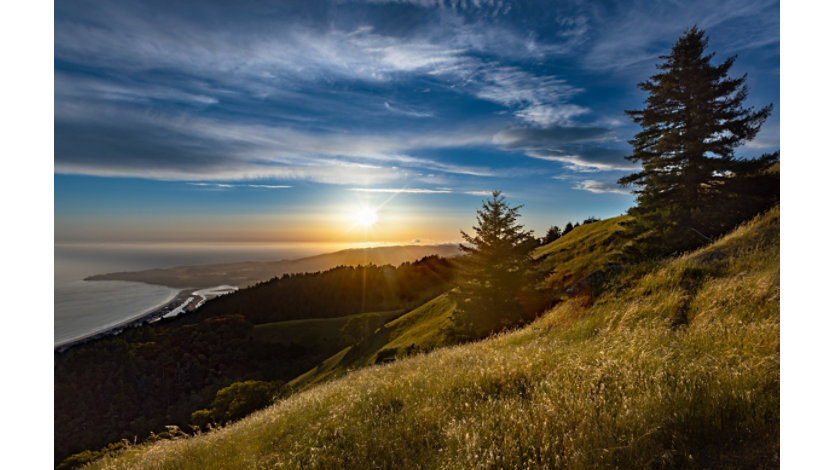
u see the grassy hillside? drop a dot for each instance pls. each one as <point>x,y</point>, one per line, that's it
<point>311,332</point>
<point>675,366</point>
<point>583,250</point>
<point>420,330</point>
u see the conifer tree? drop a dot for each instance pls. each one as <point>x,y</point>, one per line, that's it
<point>691,185</point>
<point>495,269</point>
<point>553,234</point>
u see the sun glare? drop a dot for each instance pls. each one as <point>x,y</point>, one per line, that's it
<point>366,217</point>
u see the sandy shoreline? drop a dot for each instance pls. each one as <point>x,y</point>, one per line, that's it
<point>152,314</point>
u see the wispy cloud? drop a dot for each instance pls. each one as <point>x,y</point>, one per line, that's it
<point>636,36</point>
<point>230,186</point>
<point>407,112</point>
<point>599,187</point>
<point>402,190</point>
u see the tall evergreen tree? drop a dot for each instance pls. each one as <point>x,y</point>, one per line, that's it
<point>495,269</point>
<point>691,185</point>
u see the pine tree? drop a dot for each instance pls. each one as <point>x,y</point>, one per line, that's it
<point>553,234</point>
<point>691,185</point>
<point>495,269</point>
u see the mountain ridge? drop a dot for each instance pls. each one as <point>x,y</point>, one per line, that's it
<point>247,273</point>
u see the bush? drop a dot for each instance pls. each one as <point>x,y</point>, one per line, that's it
<point>242,398</point>
<point>202,418</point>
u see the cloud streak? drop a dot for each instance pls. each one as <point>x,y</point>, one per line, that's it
<point>401,190</point>
<point>599,187</point>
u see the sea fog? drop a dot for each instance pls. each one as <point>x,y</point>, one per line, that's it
<point>83,307</point>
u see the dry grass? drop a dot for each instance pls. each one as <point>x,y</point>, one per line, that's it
<point>678,368</point>
<point>582,251</point>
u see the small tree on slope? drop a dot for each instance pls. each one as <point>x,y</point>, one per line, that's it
<point>691,185</point>
<point>495,270</point>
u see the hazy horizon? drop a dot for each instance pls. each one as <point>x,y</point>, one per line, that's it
<point>75,261</point>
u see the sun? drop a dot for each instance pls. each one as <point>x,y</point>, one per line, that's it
<point>365,217</point>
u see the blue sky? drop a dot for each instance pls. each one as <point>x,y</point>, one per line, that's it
<point>202,121</point>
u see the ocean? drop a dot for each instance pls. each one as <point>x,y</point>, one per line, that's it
<point>83,307</point>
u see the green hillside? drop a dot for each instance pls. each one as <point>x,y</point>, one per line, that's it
<point>585,249</point>
<point>312,332</point>
<point>676,365</point>
<point>420,330</point>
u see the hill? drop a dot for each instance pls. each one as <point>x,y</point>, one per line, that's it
<point>252,272</point>
<point>584,250</point>
<point>315,332</point>
<point>674,365</point>
<point>420,330</point>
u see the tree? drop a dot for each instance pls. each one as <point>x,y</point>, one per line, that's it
<point>242,398</point>
<point>691,185</point>
<point>553,234</point>
<point>568,228</point>
<point>495,270</point>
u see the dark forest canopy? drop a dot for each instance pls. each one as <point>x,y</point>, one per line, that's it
<point>337,292</point>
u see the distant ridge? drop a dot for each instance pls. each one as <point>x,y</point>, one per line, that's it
<point>247,273</point>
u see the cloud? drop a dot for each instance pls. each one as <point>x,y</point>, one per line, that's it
<point>479,193</point>
<point>113,141</point>
<point>635,37</point>
<point>548,115</point>
<point>230,186</point>
<point>402,190</point>
<point>530,137</point>
<point>407,112</point>
<point>581,149</point>
<point>586,158</point>
<point>213,185</point>
<point>268,186</point>
<point>599,187</point>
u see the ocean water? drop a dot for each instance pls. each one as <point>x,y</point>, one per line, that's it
<point>83,307</point>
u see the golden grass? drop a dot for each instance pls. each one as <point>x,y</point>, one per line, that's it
<point>582,251</point>
<point>678,368</point>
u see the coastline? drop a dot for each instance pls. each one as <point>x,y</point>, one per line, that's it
<point>149,315</point>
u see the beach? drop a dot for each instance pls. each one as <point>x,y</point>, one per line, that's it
<point>182,302</point>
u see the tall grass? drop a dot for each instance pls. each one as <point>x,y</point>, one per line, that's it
<point>676,367</point>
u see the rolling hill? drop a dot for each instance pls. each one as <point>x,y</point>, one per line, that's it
<point>252,272</point>
<point>420,330</point>
<point>583,250</point>
<point>674,365</point>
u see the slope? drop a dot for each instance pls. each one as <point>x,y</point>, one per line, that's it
<point>312,332</point>
<point>585,249</point>
<point>420,330</point>
<point>675,366</point>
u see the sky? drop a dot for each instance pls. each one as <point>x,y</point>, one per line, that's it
<point>278,122</point>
